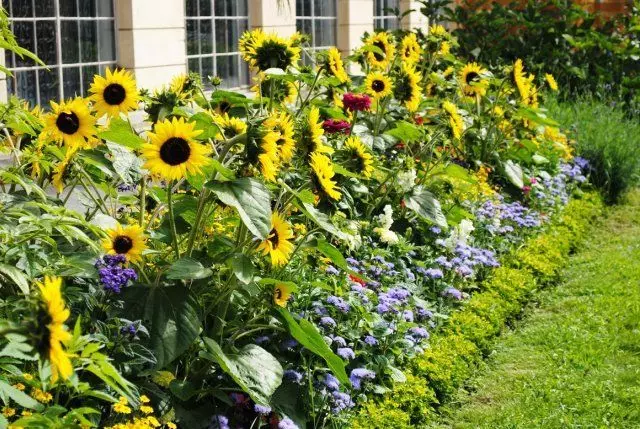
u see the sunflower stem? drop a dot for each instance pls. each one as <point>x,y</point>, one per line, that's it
<point>172,220</point>
<point>313,85</point>
<point>204,193</point>
<point>143,200</point>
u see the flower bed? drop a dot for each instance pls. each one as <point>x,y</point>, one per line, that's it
<point>282,260</point>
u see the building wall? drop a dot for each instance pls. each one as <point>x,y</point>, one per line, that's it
<point>606,7</point>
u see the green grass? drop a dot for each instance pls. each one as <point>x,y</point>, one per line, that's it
<point>573,361</point>
<point>607,138</point>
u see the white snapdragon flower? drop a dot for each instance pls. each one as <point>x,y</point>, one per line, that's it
<point>407,180</point>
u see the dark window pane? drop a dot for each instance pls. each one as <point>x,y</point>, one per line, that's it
<point>192,37</point>
<point>107,41</point>
<point>26,86</point>
<point>304,26</point>
<point>8,59</point>
<point>225,35</point>
<point>21,8</point>
<point>325,32</point>
<point>205,7</point>
<point>87,7</point>
<point>194,65</point>
<point>88,41</point>
<point>228,70</point>
<point>68,8</point>
<point>303,7</point>
<point>105,8</point>
<point>191,8</point>
<point>88,72</point>
<point>48,82</point>
<point>69,42</point>
<point>71,82</point>
<point>45,8</point>
<point>46,38</point>
<point>325,8</point>
<point>207,67</point>
<point>25,37</point>
<point>6,6</point>
<point>206,36</point>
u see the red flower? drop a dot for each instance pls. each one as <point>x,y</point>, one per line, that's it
<point>356,102</point>
<point>419,120</point>
<point>332,126</point>
<point>526,189</point>
<point>357,279</point>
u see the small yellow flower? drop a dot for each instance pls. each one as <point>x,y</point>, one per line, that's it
<point>153,421</point>
<point>121,406</point>
<point>145,399</point>
<point>145,409</point>
<point>19,386</point>
<point>551,81</point>
<point>172,425</point>
<point>27,377</point>
<point>41,396</point>
<point>163,378</point>
<point>8,412</point>
<point>26,413</point>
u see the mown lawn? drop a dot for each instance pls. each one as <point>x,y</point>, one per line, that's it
<point>574,359</point>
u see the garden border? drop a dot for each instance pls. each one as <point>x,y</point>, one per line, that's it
<point>455,351</point>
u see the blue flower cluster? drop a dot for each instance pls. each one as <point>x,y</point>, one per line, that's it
<point>113,275</point>
<point>466,259</point>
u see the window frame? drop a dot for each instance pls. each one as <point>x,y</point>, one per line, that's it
<point>384,18</point>
<point>313,18</point>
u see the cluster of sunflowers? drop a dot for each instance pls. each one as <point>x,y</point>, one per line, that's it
<point>225,203</point>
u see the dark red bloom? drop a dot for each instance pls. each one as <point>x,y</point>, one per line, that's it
<point>357,279</point>
<point>333,126</point>
<point>419,120</point>
<point>403,204</point>
<point>526,189</point>
<point>356,102</point>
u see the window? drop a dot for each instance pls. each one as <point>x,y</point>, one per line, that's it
<point>318,19</point>
<point>383,19</point>
<point>74,38</point>
<point>213,30</point>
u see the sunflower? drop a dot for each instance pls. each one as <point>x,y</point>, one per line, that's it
<point>378,85</point>
<point>60,172</point>
<point>264,51</point>
<point>471,80</point>
<point>229,126</point>
<point>280,90</point>
<point>278,244</point>
<point>406,88</point>
<point>322,175</point>
<point>53,314</point>
<point>445,48</point>
<point>311,131</point>
<point>172,152</point>
<point>114,94</point>
<point>520,81</point>
<point>262,149</point>
<point>336,66</point>
<point>183,85</point>
<point>410,49</point>
<point>281,294</point>
<point>359,154</point>
<point>438,31</point>
<point>551,81</point>
<point>282,123</point>
<point>455,120</point>
<point>128,241</point>
<point>383,41</point>
<point>70,123</point>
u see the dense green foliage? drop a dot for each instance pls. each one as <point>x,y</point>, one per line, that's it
<point>573,361</point>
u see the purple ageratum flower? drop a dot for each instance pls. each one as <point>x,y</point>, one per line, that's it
<point>219,422</point>
<point>287,423</point>
<point>378,259</point>
<point>444,262</point>
<point>332,270</point>
<point>452,292</point>
<point>327,321</point>
<point>339,303</point>
<point>581,162</point>
<point>331,382</point>
<point>407,315</point>
<point>339,341</point>
<point>370,340</point>
<point>433,273</point>
<point>262,339</point>
<point>113,275</point>
<point>398,293</point>
<point>353,262</point>
<point>410,275</point>
<point>341,401</point>
<point>292,376</point>
<point>419,332</point>
<point>464,271</point>
<point>346,353</point>
<point>435,230</point>
<point>358,375</point>
<point>424,313</point>
<point>289,344</point>
<point>262,409</point>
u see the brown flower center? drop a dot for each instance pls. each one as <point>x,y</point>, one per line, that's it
<point>68,123</point>
<point>122,244</point>
<point>114,94</point>
<point>175,151</point>
<point>377,85</point>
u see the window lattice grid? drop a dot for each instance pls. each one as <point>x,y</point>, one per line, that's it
<point>74,38</point>
<point>213,29</point>
<point>317,18</point>
<point>381,18</point>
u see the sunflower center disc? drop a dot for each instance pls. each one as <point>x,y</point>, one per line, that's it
<point>114,94</point>
<point>377,85</point>
<point>68,123</point>
<point>175,151</point>
<point>122,244</point>
<point>471,77</point>
<point>273,238</point>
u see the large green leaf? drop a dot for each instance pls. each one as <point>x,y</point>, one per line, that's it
<point>204,122</point>
<point>120,132</point>
<point>425,204</point>
<point>16,276</point>
<point>251,199</point>
<point>308,335</point>
<point>187,269</point>
<point>20,398</point>
<point>242,267</point>
<point>125,163</point>
<point>253,368</point>
<point>169,313</point>
<point>405,132</point>
<point>320,219</point>
<point>513,172</point>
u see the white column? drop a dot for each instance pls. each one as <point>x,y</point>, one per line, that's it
<point>4,96</point>
<point>355,17</point>
<point>151,39</point>
<point>415,19</point>
<point>277,16</point>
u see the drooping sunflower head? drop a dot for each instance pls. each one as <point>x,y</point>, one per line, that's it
<point>311,131</point>
<point>282,123</point>
<point>384,42</point>
<point>184,85</point>
<point>378,85</point>
<point>61,172</point>
<point>520,80</point>
<point>322,176</point>
<point>128,241</point>
<point>336,66</point>
<point>359,156</point>
<point>281,294</point>
<point>281,91</point>
<point>229,126</point>
<point>71,123</point>
<point>406,88</point>
<point>264,51</point>
<point>52,334</point>
<point>471,80</point>
<point>455,120</point>
<point>114,94</point>
<point>278,244</point>
<point>172,151</point>
<point>262,150</point>
<point>410,49</point>
<point>551,81</point>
